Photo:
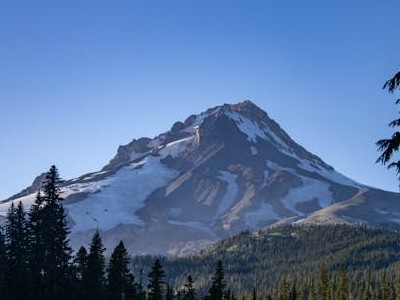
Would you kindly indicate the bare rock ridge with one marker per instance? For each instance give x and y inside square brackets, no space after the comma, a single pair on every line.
[228,169]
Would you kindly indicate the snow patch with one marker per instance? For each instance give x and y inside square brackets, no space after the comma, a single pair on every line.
[135,155]
[249,128]
[311,189]
[175,212]
[230,194]
[199,120]
[395,220]
[177,147]
[331,175]
[264,213]
[253,150]
[87,187]
[254,130]
[27,201]
[111,206]
[278,142]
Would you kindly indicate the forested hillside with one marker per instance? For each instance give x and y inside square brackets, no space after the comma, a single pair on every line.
[297,255]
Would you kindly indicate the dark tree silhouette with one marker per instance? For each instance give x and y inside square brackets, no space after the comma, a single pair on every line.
[218,283]
[17,252]
[36,245]
[156,281]
[390,145]
[80,266]
[94,277]
[53,232]
[120,281]
[3,266]
[190,291]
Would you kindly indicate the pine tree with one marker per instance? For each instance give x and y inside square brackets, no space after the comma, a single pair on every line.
[342,291]
[170,293]
[156,281]
[367,290]
[36,246]
[139,290]
[3,266]
[17,253]
[389,146]
[93,278]
[190,291]
[283,290]
[80,266]
[323,285]
[120,281]
[218,283]
[293,293]
[397,285]
[254,295]
[53,231]
[384,291]
[80,262]
[227,294]
[311,292]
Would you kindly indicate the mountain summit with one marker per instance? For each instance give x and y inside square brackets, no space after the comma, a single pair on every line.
[228,169]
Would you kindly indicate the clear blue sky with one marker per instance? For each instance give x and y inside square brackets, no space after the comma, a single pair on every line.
[79,78]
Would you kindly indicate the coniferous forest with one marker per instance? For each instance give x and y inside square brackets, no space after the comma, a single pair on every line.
[288,262]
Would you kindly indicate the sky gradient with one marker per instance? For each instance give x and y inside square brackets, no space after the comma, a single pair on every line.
[79,78]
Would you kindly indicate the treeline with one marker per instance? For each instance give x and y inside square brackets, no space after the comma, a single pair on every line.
[298,262]
[263,258]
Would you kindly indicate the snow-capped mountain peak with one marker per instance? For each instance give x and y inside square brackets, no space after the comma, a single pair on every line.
[214,174]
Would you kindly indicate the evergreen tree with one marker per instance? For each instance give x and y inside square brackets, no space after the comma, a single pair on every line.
[93,278]
[80,266]
[138,286]
[17,253]
[218,283]
[156,281]
[130,290]
[397,285]
[367,290]
[384,291]
[3,266]
[120,281]
[190,291]
[312,295]
[36,246]
[170,293]
[389,146]
[254,295]
[80,262]
[283,290]
[342,291]
[323,285]
[53,231]
[227,294]
[293,293]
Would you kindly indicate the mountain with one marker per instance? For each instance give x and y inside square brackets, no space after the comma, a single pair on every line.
[226,170]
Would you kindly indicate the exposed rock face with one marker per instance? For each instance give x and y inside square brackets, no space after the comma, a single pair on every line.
[33,188]
[228,169]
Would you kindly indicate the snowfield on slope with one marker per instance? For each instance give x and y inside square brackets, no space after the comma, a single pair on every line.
[117,203]
[231,192]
